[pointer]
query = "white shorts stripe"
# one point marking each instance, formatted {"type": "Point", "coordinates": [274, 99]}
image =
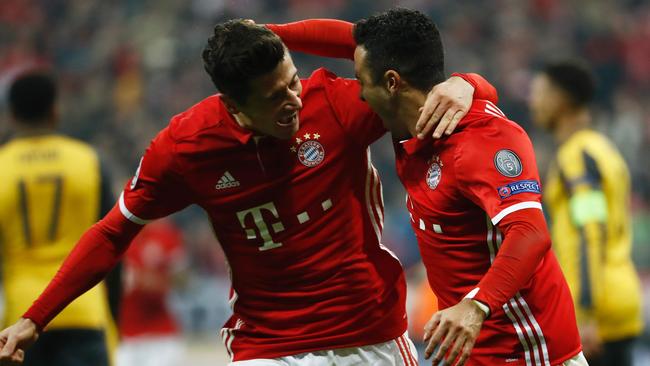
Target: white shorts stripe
{"type": "Point", "coordinates": [516, 207]}
{"type": "Point", "coordinates": [130, 216]}
{"type": "Point", "coordinates": [404, 351]}
{"type": "Point", "coordinates": [409, 349]}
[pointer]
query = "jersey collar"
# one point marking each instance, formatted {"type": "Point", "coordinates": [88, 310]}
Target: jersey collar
{"type": "Point", "coordinates": [413, 145]}
{"type": "Point", "coordinates": [241, 134]}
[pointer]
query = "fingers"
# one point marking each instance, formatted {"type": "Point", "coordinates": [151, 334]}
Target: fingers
{"type": "Point", "coordinates": [455, 349]}
{"type": "Point", "coordinates": [18, 357]}
{"type": "Point", "coordinates": [431, 326]}
{"type": "Point", "coordinates": [8, 348]}
{"type": "Point", "coordinates": [449, 339]}
{"type": "Point", "coordinates": [434, 342]}
{"type": "Point", "coordinates": [464, 355]}
{"type": "Point", "coordinates": [455, 120]}
{"type": "Point", "coordinates": [431, 113]}
{"type": "Point", "coordinates": [444, 123]}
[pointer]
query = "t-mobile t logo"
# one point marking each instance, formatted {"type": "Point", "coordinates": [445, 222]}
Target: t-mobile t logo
{"type": "Point", "coordinates": [258, 219]}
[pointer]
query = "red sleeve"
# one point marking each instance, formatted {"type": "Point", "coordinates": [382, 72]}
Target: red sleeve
{"type": "Point", "coordinates": [157, 189]}
{"type": "Point", "coordinates": [322, 37]}
{"type": "Point", "coordinates": [96, 253]}
{"type": "Point", "coordinates": [526, 242]}
{"type": "Point", "coordinates": [482, 88]}
{"type": "Point", "coordinates": [498, 172]}
{"type": "Point", "coordinates": [361, 125]}
{"type": "Point", "coordinates": [497, 166]}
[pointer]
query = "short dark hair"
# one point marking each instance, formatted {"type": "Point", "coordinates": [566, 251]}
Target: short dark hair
{"type": "Point", "coordinates": [574, 78]}
{"type": "Point", "coordinates": [238, 52]}
{"type": "Point", "coordinates": [406, 41]}
{"type": "Point", "coordinates": [32, 95]}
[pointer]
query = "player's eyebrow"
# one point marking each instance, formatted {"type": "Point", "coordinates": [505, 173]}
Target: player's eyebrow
{"type": "Point", "coordinates": [280, 90]}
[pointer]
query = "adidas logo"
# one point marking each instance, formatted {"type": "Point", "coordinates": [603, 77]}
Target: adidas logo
{"type": "Point", "coordinates": [227, 181]}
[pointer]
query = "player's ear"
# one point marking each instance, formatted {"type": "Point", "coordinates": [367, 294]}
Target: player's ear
{"type": "Point", "coordinates": [231, 106]}
{"type": "Point", "coordinates": [392, 81]}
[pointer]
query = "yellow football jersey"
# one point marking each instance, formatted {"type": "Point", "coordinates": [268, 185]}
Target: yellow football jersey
{"type": "Point", "coordinates": [587, 196]}
{"type": "Point", "coordinates": [49, 196]}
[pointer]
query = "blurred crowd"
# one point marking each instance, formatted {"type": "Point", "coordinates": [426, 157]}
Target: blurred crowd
{"type": "Point", "coordinates": [127, 66]}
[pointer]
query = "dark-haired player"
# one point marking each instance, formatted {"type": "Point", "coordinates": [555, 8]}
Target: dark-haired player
{"type": "Point", "coordinates": [52, 190]}
{"type": "Point", "coordinates": [475, 203]}
{"type": "Point", "coordinates": [282, 168]}
{"type": "Point", "coordinates": [588, 194]}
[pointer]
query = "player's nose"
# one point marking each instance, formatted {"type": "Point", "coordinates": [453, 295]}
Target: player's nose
{"type": "Point", "coordinates": [294, 100]}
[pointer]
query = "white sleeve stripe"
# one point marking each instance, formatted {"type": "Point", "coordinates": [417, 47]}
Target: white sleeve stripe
{"type": "Point", "coordinates": [131, 217]}
{"type": "Point", "coordinates": [514, 208]}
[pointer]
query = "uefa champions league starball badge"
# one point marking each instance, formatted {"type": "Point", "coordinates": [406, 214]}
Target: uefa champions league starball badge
{"type": "Point", "coordinates": [508, 163]}
{"type": "Point", "coordinates": [310, 151]}
{"type": "Point", "coordinates": [434, 174]}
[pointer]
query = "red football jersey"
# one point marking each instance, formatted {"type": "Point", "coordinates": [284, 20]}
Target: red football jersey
{"type": "Point", "coordinates": [458, 190]}
{"type": "Point", "coordinates": [149, 265]}
{"type": "Point", "coordinates": [299, 220]}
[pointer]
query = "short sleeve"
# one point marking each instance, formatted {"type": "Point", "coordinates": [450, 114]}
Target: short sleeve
{"type": "Point", "coordinates": [496, 169]}
{"type": "Point", "coordinates": [360, 123]}
{"type": "Point", "coordinates": [156, 190]}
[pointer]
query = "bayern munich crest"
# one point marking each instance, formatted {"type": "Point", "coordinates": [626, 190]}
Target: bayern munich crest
{"type": "Point", "coordinates": [434, 174]}
{"type": "Point", "coordinates": [310, 151]}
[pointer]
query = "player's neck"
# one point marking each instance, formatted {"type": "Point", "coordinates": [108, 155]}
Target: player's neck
{"type": "Point", "coordinates": [408, 111]}
{"type": "Point", "coordinates": [26, 130]}
{"type": "Point", "coordinates": [570, 123]}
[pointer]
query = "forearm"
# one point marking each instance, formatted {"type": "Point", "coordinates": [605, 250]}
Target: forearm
{"type": "Point", "coordinates": [482, 88]}
{"type": "Point", "coordinates": [96, 253]}
{"type": "Point", "coordinates": [526, 242]}
{"type": "Point", "coordinates": [321, 37]}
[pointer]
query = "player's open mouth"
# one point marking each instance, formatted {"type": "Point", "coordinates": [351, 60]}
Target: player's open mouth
{"type": "Point", "coordinates": [288, 121]}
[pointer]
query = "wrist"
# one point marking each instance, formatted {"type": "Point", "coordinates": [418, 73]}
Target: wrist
{"type": "Point", "coordinates": [468, 81]}
{"type": "Point", "coordinates": [483, 309]}
{"type": "Point", "coordinates": [28, 323]}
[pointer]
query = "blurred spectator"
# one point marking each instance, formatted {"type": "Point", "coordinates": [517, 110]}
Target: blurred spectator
{"type": "Point", "coordinates": [150, 334]}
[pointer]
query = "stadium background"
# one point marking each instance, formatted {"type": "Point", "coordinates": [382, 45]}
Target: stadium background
{"type": "Point", "coordinates": [126, 66]}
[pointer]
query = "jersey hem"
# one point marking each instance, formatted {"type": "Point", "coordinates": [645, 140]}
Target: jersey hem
{"type": "Point", "coordinates": [561, 360]}
{"type": "Point", "coordinates": [278, 354]}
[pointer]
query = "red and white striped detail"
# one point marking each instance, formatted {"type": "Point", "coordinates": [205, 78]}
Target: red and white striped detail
{"type": "Point", "coordinates": [492, 109]}
{"type": "Point", "coordinates": [404, 346]}
{"type": "Point", "coordinates": [517, 310]}
{"type": "Point", "coordinates": [375, 202]}
{"type": "Point", "coordinates": [228, 336]}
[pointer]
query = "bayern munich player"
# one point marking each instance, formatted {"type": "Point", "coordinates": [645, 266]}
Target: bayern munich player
{"type": "Point", "coordinates": [474, 200]}
{"type": "Point", "coordinates": [282, 168]}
